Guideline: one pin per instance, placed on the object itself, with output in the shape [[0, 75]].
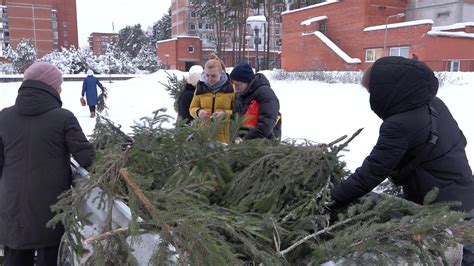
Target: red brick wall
[[67, 13], [177, 49], [439, 51]]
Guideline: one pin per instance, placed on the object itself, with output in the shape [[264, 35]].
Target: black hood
[[258, 81], [399, 84], [36, 97]]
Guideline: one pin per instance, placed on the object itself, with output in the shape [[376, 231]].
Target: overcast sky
[[98, 15]]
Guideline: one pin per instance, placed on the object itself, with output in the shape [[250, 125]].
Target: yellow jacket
[[222, 99]]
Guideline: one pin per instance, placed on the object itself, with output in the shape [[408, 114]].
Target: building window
[[65, 33], [65, 43], [278, 43], [200, 25], [193, 14], [400, 51], [209, 26], [278, 19], [277, 31], [323, 27], [454, 65], [192, 26], [443, 14], [371, 55], [64, 24], [55, 24], [190, 49], [55, 35]]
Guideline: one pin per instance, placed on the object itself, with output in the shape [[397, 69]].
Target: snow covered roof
[[335, 48], [455, 26], [455, 34], [178, 37], [400, 25], [315, 19], [311, 6]]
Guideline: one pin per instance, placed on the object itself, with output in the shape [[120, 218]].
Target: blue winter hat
[[242, 72]]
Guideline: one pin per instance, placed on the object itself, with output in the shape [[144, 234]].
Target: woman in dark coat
[[401, 94], [37, 139], [186, 96], [257, 102], [89, 88], [420, 145]]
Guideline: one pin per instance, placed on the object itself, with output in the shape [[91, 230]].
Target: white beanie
[[90, 72], [194, 74]]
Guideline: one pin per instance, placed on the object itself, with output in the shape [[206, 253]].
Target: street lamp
[[167, 57], [256, 22], [399, 15]]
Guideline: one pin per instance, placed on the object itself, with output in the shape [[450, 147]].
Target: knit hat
[[242, 72], [45, 72], [90, 72], [194, 74]]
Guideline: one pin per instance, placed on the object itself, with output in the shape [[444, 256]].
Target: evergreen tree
[[162, 28], [23, 56], [131, 39], [147, 59]]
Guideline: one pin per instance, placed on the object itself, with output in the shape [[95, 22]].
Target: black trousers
[[26, 257], [92, 108]]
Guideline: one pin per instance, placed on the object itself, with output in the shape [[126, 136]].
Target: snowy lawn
[[312, 110]]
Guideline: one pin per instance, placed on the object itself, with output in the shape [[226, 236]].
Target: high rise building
[[49, 24], [442, 12], [98, 42]]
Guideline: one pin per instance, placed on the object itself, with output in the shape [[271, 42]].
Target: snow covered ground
[[312, 110]]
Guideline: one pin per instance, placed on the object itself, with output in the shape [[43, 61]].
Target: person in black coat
[[186, 96], [257, 102], [37, 139], [420, 145]]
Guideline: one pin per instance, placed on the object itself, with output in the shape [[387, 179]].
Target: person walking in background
[[89, 88], [257, 103], [186, 96], [37, 139], [214, 96], [420, 145], [414, 56]]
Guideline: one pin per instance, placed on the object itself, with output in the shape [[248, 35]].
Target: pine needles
[[256, 202]]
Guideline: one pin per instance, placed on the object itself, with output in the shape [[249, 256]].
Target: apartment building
[[442, 12], [49, 24], [98, 42]]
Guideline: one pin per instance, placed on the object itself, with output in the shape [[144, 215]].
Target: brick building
[[186, 26], [352, 34], [49, 24], [98, 42]]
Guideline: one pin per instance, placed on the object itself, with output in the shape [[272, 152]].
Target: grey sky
[[98, 15]]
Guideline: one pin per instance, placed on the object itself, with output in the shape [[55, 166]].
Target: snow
[[400, 25], [311, 110], [259, 18], [328, 2], [455, 34], [315, 19], [454, 26], [334, 47]]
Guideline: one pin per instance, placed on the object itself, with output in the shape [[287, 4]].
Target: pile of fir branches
[[253, 202]]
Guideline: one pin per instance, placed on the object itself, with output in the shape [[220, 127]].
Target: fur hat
[[45, 72], [242, 72], [195, 73], [90, 72]]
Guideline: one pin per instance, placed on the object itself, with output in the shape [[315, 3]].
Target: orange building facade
[[49, 24], [352, 34]]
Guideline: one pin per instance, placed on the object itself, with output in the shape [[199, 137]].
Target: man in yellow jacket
[[214, 96]]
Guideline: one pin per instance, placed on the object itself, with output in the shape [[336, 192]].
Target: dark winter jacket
[[89, 88], [400, 90], [37, 138], [184, 102], [260, 106]]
